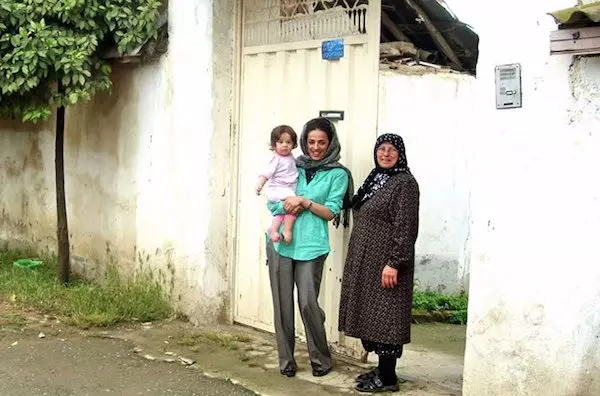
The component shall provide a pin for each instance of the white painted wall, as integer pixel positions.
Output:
(433, 113)
(27, 198)
(147, 167)
(534, 320)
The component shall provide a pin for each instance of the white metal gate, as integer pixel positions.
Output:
(286, 81)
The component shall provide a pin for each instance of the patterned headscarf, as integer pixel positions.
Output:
(329, 161)
(379, 176)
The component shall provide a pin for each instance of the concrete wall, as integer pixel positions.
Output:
(433, 112)
(147, 167)
(27, 193)
(534, 320)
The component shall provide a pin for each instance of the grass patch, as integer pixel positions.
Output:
(81, 303)
(454, 306)
(226, 340)
(188, 340)
(12, 320)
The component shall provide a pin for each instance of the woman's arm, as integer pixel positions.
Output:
(405, 201)
(333, 203)
(292, 205)
(300, 204)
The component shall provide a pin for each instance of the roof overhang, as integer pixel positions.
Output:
(578, 31)
(581, 13)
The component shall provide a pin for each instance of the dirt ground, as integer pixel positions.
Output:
(41, 356)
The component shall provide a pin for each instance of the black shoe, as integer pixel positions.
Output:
(289, 372)
(367, 375)
(319, 372)
(375, 385)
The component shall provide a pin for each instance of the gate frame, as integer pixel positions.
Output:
(371, 39)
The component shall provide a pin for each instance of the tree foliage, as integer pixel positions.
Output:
(44, 43)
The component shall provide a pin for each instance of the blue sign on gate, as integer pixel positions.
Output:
(332, 49)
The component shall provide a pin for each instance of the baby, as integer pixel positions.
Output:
(282, 175)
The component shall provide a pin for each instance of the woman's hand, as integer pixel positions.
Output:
(294, 205)
(389, 277)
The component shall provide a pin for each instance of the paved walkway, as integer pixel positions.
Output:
(91, 367)
(41, 356)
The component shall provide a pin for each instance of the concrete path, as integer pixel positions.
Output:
(41, 356)
(90, 366)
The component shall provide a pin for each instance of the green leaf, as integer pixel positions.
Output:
(42, 42)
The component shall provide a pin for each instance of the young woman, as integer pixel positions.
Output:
(323, 187)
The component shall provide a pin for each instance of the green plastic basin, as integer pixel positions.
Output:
(27, 263)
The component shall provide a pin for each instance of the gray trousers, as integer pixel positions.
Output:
(284, 272)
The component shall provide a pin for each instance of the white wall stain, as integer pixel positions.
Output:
(432, 112)
(27, 202)
(533, 321)
(147, 167)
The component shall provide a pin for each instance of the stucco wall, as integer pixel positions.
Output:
(534, 321)
(433, 113)
(147, 167)
(27, 198)
(117, 159)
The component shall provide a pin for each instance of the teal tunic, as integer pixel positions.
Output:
(311, 233)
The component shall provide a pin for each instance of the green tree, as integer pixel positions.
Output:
(51, 57)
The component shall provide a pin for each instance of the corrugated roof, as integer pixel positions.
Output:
(582, 13)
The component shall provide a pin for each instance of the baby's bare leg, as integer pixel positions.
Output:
(273, 230)
(288, 226)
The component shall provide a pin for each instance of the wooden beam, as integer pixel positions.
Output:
(583, 41)
(391, 26)
(439, 39)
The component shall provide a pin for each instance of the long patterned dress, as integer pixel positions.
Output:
(385, 231)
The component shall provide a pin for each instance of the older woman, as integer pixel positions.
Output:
(323, 187)
(377, 286)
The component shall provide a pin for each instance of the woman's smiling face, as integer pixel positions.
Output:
(317, 142)
(387, 155)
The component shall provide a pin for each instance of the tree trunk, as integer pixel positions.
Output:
(61, 205)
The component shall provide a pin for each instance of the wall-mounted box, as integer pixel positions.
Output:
(508, 86)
